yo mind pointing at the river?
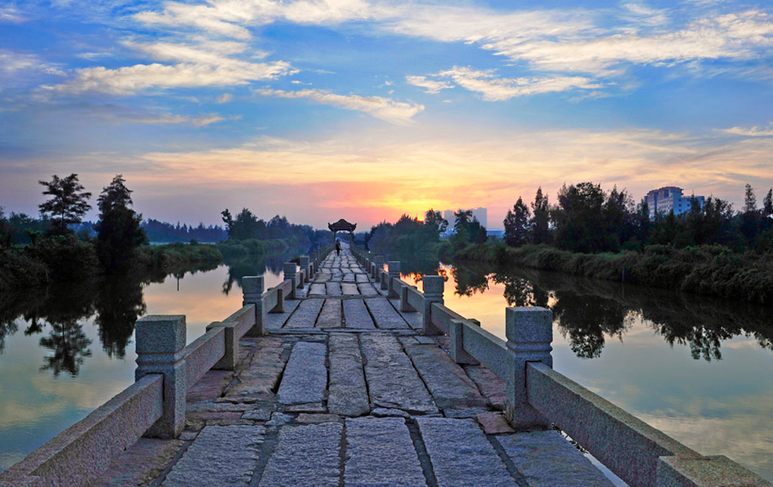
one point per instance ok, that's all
(694, 367)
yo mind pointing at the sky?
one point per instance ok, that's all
(368, 109)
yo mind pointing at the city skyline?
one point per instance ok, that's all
(366, 110)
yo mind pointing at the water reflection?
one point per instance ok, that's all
(238, 268)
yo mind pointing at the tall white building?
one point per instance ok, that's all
(667, 198)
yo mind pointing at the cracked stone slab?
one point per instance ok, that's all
(305, 377)
(259, 379)
(494, 423)
(385, 315)
(491, 385)
(357, 315)
(380, 452)
(330, 316)
(449, 385)
(414, 320)
(220, 455)
(307, 455)
(392, 380)
(350, 289)
(546, 459)
(348, 395)
(317, 289)
(333, 288)
(461, 455)
(210, 386)
(306, 314)
(140, 464)
(275, 321)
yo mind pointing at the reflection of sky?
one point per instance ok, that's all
(722, 407)
(35, 406)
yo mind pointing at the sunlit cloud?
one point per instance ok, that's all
(224, 98)
(430, 86)
(751, 131)
(377, 106)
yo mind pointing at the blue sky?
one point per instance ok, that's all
(368, 109)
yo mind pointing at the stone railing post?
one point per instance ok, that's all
(304, 264)
(159, 341)
(231, 356)
(394, 273)
(529, 333)
(379, 261)
(252, 289)
(290, 273)
(433, 293)
(404, 306)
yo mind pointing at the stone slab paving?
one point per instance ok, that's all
(330, 316)
(392, 381)
(305, 456)
(361, 277)
(306, 314)
(333, 288)
(350, 289)
(449, 385)
(357, 315)
(380, 452)
(348, 394)
(140, 464)
(461, 455)
(275, 321)
(367, 289)
(317, 289)
(492, 386)
(546, 459)
(305, 377)
(323, 276)
(413, 319)
(220, 455)
(385, 315)
(258, 381)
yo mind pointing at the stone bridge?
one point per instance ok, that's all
(344, 375)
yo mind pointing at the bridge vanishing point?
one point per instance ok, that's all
(345, 375)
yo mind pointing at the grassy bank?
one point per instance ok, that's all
(711, 270)
(240, 249)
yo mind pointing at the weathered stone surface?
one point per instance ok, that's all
(348, 395)
(317, 418)
(492, 386)
(392, 380)
(261, 414)
(220, 455)
(386, 412)
(318, 288)
(309, 407)
(461, 455)
(367, 289)
(425, 340)
(278, 419)
(275, 321)
(141, 463)
(333, 288)
(259, 379)
(385, 315)
(330, 316)
(305, 377)
(349, 288)
(464, 413)
(306, 314)
(449, 385)
(546, 459)
(203, 416)
(414, 320)
(306, 455)
(357, 315)
(361, 277)
(380, 452)
(217, 407)
(494, 423)
(210, 386)
(323, 276)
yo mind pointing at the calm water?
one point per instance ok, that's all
(690, 366)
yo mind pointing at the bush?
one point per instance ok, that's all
(66, 257)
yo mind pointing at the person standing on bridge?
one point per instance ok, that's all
(338, 247)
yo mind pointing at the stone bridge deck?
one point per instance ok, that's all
(345, 391)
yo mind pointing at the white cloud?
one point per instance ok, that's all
(751, 131)
(224, 98)
(430, 86)
(166, 118)
(495, 88)
(12, 15)
(379, 107)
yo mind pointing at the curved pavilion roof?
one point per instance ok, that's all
(342, 226)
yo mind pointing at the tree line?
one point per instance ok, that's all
(588, 219)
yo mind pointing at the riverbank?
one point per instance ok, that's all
(709, 270)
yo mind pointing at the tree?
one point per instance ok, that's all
(119, 229)
(517, 224)
(750, 218)
(579, 218)
(540, 222)
(432, 217)
(463, 218)
(5, 230)
(68, 202)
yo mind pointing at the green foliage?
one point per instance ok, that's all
(66, 257)
(251, 248)
(118, 229)
(516, 224)
(540, 221)
(68, 202)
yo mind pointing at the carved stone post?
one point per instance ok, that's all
(433, 293)
(231, 356)
(529, 333)
(290, 273)
(160, 340)
(394, 274)
(404, 306)
(252, 289)
(456, 333)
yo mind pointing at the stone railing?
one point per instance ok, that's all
(538, 396)
(155, 404)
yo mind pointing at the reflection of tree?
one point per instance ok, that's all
(520, 291)
(254, 266)
(7, 328)
(469, 281)
(584, 319)
(70, 347)
(118, 305)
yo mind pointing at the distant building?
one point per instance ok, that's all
(667, 198)
(496, 232)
